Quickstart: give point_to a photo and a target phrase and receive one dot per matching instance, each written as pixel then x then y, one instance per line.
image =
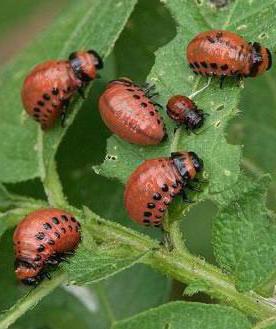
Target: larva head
pixel 85 64
pixel 261 60
pixel 188 164
pixel 27 272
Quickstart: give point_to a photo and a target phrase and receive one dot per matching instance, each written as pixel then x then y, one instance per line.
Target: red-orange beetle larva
pixel 153 185
pixel 224 53
pixel 184 111
pixel 48 88
pixel 129 112
pixel 43 238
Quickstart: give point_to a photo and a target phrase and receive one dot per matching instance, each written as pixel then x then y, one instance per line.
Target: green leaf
pixel 259 117
pixel 96 264
pixel 29 152
pixel 172 76
pixel 245 234
pixel 191 315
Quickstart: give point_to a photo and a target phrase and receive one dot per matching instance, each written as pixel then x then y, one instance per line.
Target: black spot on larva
pixel 151 205
pixel 136 96
pixel 214 66
pixel 158 216
pixel 41 248
pixel 37 258
pixel 78 224
pixel 76 228
pixel 49 111
pixel 36 109
pixel 47 226
pixel 57 235
pixel 36 115
pixel 146 221
pixel 63 230
pixel 166 202
pixel 55 220
pixel 224 67
pixel 204 64
pixel 54 105
pixel 64 218
pixel 156 225
pixel 51 242
pixel 144 104
pixel 165 188
pixel 130 89
pixel 196 65
pixel 68 89
pixel 161 209
pixel 174 185
pixel 40 103
pixel 147 214
pixel 210 39
pixel 157 196
pixel 55 91
pixel 73 219
pixel 151 113
pixel 158 121
pixel 70 228
pixel 40 236
pixel 46 97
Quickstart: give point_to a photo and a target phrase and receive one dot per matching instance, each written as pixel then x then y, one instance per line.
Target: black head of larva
pixel 98 61
pixel 195 119
pixel 85 63
pixel 197 162
pixel 188 164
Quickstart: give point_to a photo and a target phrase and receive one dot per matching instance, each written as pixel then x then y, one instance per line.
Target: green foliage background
pixel 242 207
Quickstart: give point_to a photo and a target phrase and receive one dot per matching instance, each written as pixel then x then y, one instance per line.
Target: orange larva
pixel 47 89
pixel 129 112
pixel 43 238
pixel 153 185
pixel 184 111
pixel 224 53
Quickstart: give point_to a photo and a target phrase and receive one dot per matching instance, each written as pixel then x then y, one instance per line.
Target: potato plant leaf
pixel 27 152
pixel 175 315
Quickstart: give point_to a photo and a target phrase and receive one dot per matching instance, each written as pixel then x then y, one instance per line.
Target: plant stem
pixel 264 324
pixel 186 268
pixel 53 187
pixel 178 264
pixel 31 300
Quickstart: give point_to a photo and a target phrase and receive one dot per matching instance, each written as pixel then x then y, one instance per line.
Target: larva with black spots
pixel 48 88
pixel 44 237
pixel 224 53
pixel 153 185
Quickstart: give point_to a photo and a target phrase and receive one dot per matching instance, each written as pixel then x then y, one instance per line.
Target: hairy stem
pixel 184 267
pixel 53 187
pixel 266 323
pixel 178 264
